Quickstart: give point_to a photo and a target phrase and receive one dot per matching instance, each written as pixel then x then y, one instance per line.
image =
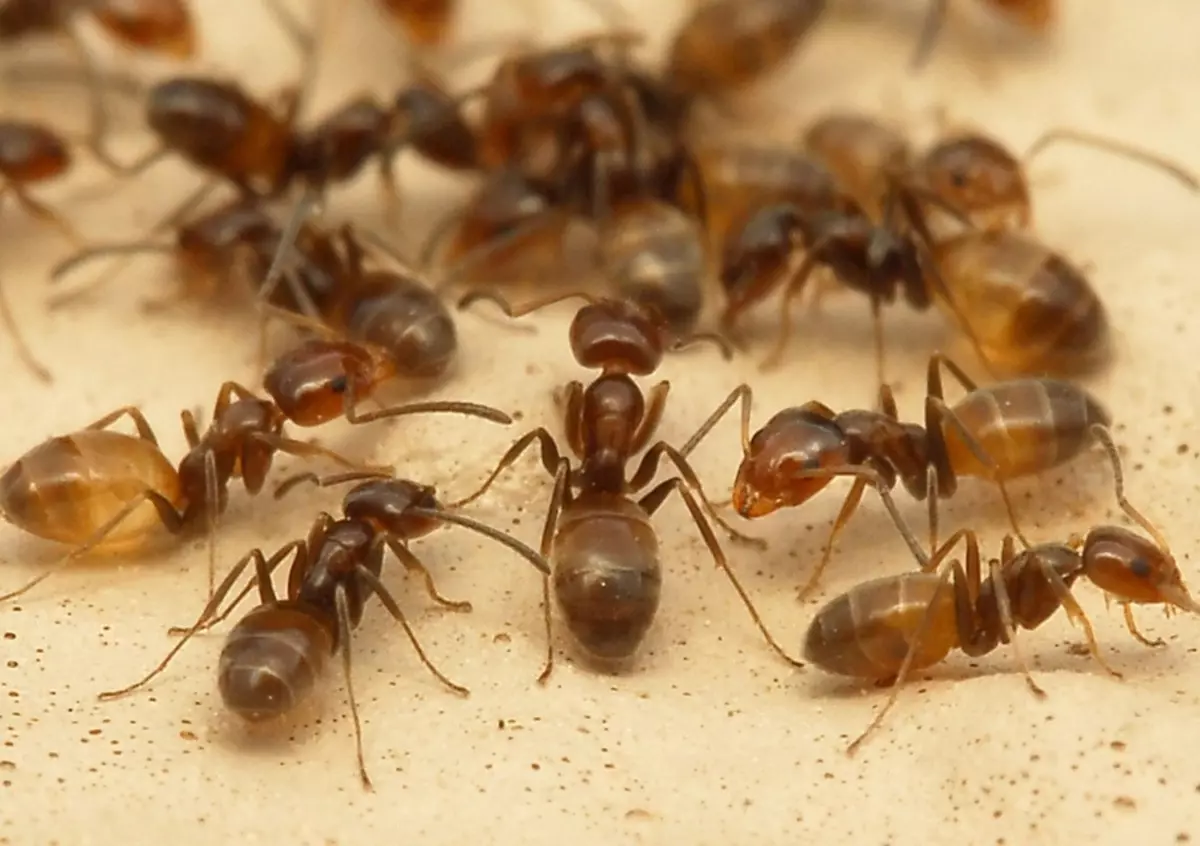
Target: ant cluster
pixel 588 133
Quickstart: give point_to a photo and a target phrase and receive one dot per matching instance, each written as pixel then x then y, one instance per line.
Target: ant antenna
pixel 1119 148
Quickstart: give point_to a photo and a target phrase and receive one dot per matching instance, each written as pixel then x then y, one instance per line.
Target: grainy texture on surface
pixel 710 739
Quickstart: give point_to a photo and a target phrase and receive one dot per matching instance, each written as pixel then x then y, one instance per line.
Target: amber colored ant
pixel 1033 16
pixel 607 573
pixel 1052 322
pixel 275 655
pixel 887 628
pixel 997 432
pixel 727 45
pixel 129 486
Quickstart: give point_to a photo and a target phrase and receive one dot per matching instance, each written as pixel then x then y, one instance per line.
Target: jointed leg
pixel 1076 615
pixel 652 500
pixel 849 506
pixel 655 406
pixel 795 287
pixel 1104 436
pixel 1004 604
pixel 133 413
pixel 389 602
pixel 558 499
pixel 263 568
pixel 345 643
pixel 413 565
pixel 301 449
pixel 18 337
pixel 1131 624
pixel 742 393
pixel 171 519
pixel 550 461
pixel 648 467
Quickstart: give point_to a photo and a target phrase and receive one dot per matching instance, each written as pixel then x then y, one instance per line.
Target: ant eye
pixel 958 178
pixel 339 385
pixel 1140 568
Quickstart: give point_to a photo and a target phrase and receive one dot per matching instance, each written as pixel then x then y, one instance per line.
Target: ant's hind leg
pixel 145 432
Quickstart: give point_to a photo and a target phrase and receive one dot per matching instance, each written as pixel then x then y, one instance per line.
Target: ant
pixel 997 432
pixel 914 622
pixel 275 655
pixel 883 244
pixel 98 488
pixel 607 572
pixel 727 45
pixel 164 27
pixel 1033 16
pixel 226 251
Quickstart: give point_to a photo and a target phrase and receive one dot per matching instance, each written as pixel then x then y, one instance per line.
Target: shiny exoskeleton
pixel 96 488
pixel 607 570
pixel 886 629
pixel 275 655
pixel 996 432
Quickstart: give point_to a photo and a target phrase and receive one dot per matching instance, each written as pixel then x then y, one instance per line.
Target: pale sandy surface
pixel 710 739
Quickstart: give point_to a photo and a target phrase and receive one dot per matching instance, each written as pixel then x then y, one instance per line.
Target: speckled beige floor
pixel 709 739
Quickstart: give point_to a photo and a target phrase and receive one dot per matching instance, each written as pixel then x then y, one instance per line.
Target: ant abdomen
pixel 654 254
pixel 867 631
pixel 607 574
pixel 68 488
pixel 1029 308
pixel 407 320
pixel 273 658
pixel 616 335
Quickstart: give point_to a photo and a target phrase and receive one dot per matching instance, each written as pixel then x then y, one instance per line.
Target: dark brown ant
pixel 727 45
pixel 273 658
pixel 164 27
pixel 129 486
pixel 227 252
pixel 997 432
pixel 1034 16
pixel 886 629
pixel 607 573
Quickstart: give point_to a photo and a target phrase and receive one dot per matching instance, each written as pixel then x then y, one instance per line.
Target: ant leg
pixel 940 361
pixel 44 214
pixel 171 519
pixel 1102 434
pixel 1076 614
pixel 550 461
pixel 513 312
pixel 145 432
pixel 1131 624
pixel 744 394
pixel 931 498
pixel 472 409
pixel 648 467
pixel 413 565
pixel 345 635
pixel 795 286
pixel 1111 145
pixel 655 407
pixel 1004 605
pixel 562 476
pixel 652 500
pixel 263 568
pixel 951 572
pixel 18 338
pixel 221 615
pixel 849 506
pixel 570 401
pixel 371 581
pixel 301 449
pixel 877 332
pixel 931 28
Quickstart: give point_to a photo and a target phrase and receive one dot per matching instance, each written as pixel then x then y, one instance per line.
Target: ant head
pixel 1133 569
pixel 784 465
pixel 387 503
pixel 618 336
pixel 980 178
pixel 30 153
pixel 159 26
pixel 756 253
pixel 319 380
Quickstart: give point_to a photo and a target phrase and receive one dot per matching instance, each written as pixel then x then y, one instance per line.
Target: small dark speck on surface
pixel 1125 802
